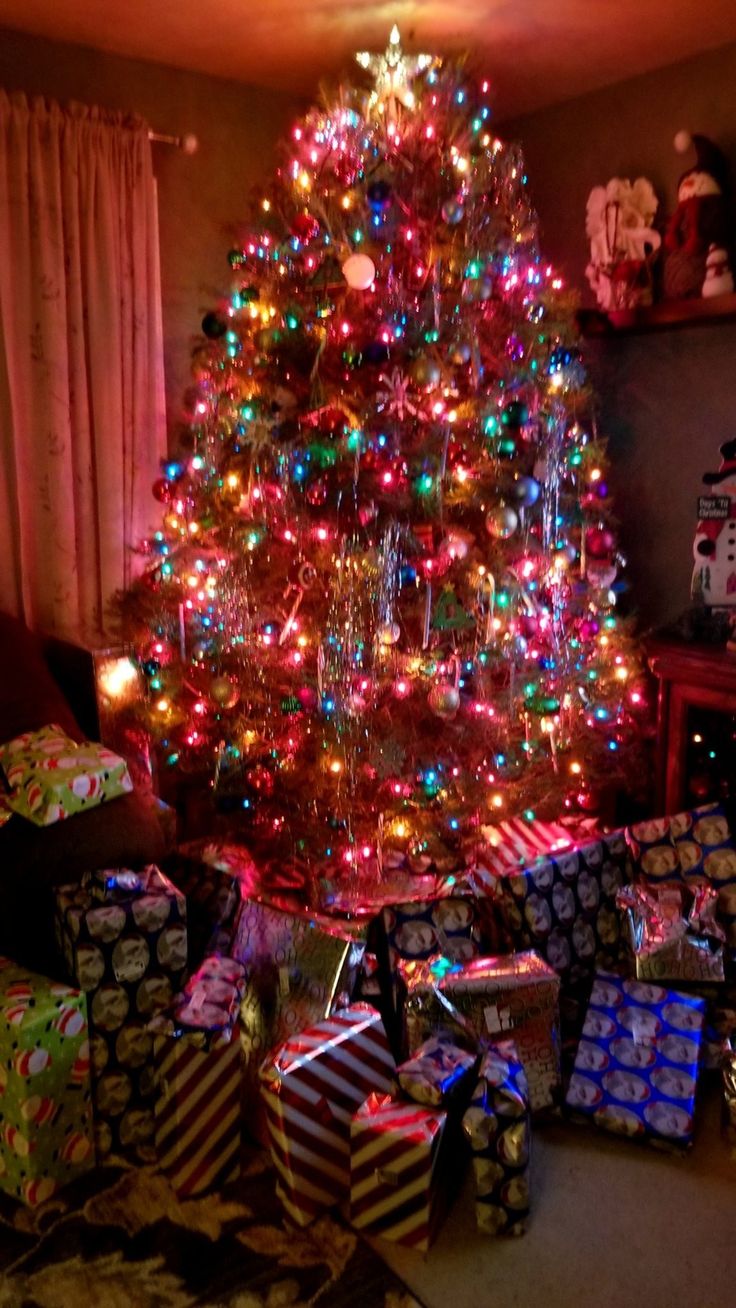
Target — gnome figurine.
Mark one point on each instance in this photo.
(700, 224)
(714, 548)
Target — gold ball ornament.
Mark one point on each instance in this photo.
(224, 692)
(444, 699)
(359, 271)
(501, 522)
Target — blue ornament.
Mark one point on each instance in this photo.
(453, 212)
(526, 491)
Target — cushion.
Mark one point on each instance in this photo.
(29, 696)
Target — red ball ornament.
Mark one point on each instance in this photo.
(162, 490)
(305, 227)
(260, 779)
(316, 492)
(599, 542)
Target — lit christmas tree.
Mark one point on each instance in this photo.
(379, 613)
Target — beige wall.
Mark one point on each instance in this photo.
(667, 400)
(201, 197)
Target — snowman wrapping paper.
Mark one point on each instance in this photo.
(46, 1136)
(714, 548)
(128, 951)
(51, 777)
(636, 1068)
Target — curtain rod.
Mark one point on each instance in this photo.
(188, 144)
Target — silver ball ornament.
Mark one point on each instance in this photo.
(426, 372)
(444, 699)
(389, 633)
(502, 522)
(359, 271)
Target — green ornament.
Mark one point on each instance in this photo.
(449, 614)
(290, 705)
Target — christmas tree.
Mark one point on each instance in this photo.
(380, 611)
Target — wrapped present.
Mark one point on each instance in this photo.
(215, 877)
(507, 996)
(427, 929)
(561, 903)
(46, 1136)
(669, 941)
(498, 1129)
(637, 1063)
(692, 847)
(128, 951)
(51, 777)
(301, 967)
(311, 1085)
(435, 1073)
(198, 1063)
(398, 1188)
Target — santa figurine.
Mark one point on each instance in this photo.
(700, 223)
(714, 549)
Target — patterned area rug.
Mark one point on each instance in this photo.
(121, 1239)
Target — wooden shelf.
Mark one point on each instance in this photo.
(666, 316)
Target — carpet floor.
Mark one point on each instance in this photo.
(121, 1239)
(613, 1224)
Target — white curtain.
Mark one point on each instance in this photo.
(82, 418)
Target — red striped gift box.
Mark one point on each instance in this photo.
(395, 1187)
(198, 1112)
(508, 848)
(311, 1086)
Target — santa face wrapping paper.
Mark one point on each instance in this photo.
(637, 1063)
(691, 847)
(397, 1186)
(562, 904)
(311, 1086)
(198, 1062)
(508, 996)
(51, 777)
(423, 930)
(498, 1128)
(46, 1134)
(128, 952)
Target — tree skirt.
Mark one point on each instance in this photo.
(121, 1238)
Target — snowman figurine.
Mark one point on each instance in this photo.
(714, 549)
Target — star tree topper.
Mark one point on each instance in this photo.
(393, 72)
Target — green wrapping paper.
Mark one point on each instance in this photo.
(51, 777)
(46, 1134)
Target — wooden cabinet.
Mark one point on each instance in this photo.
(691, 678)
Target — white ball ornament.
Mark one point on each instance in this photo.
(359, 271)
(502, 522)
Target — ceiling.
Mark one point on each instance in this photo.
(537, 52)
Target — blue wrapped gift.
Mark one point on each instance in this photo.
(636, 1067)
